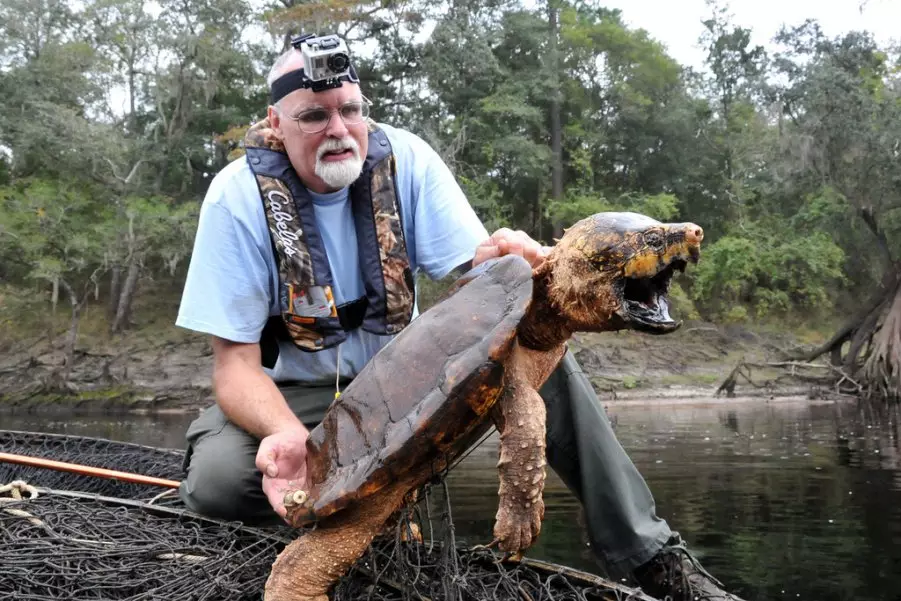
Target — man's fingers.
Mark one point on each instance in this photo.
(266, 462)
(275, 494)
(504, 233)
(530, 254)
(485, 252)
(508, 242)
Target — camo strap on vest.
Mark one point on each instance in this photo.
(308, 311)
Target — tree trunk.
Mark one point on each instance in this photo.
(555, 121)
(882, 369)
(115, 289)
(54, 296)
(123, 310)
(60, 380)
(874, 353)
(71, 338)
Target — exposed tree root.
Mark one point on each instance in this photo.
(818, 376)
(882, 367)
(864, 355)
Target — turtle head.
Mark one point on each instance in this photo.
(612, 271)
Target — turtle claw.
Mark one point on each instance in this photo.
(498, 559)
(485, 547)
(515, 557)
(518, 529)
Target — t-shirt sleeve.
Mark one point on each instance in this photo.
(226, 292)
(447, 229)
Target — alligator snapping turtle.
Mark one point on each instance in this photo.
(477, 357)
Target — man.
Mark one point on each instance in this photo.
(303, 269)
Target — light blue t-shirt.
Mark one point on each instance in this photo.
(232, 282)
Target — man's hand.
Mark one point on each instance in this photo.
(282, 458)
(507, 242)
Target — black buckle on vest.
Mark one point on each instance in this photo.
(351, 314)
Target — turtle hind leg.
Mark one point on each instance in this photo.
(404, 520)
(308, 567)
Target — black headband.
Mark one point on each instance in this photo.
(297, 80)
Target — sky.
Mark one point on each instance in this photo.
(677, 23)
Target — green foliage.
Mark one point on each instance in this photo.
(789, 162)
(769, 274)
(663, 207)
(575, 207)
(680, 303)
(485, 197)
(55, 231)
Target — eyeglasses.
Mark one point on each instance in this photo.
(313, 121)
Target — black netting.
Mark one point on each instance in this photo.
(95, 452)
(73, 545)
(69, 546)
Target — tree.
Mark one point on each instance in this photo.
(57, 235)
(843, 105)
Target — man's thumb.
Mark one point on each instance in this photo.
(266, 462)
(485, 252)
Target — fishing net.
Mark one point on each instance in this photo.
(71, 545)
(95, 452)
(395, 568)
(64, 545)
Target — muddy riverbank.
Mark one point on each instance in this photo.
(170, 372)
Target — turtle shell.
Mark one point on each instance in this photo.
(424, 398)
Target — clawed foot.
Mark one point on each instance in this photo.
(409, 533)
(516, 528)
(489, 546)
(412, 533)
(504, 558)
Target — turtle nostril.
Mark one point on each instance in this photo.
(694, 234)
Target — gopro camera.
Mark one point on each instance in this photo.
(324, 57)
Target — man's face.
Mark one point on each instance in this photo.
(332, 158)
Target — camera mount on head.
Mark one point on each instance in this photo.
(326, 65)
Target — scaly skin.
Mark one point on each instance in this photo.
(520, 419)
(573, 290)
(310, 565)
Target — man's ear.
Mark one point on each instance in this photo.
(275, 121)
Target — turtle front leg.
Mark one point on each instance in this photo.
(308, 567)
(520, 419)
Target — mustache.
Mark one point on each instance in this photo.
(337, 144)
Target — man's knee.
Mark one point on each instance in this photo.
(222, 480)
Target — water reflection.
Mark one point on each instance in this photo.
(166, 430)
(787, 500)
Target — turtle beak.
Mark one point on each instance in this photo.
(646, 281)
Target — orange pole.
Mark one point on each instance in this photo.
(86, 470)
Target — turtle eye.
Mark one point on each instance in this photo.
(654, 240)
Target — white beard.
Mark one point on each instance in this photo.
(338, 174)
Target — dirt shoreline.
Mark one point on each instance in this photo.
(134, 375)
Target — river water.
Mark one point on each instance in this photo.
(780, 499)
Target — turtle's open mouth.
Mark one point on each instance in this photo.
(645, 305)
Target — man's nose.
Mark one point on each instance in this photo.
(336, 127)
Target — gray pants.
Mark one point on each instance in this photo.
(222, 480)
